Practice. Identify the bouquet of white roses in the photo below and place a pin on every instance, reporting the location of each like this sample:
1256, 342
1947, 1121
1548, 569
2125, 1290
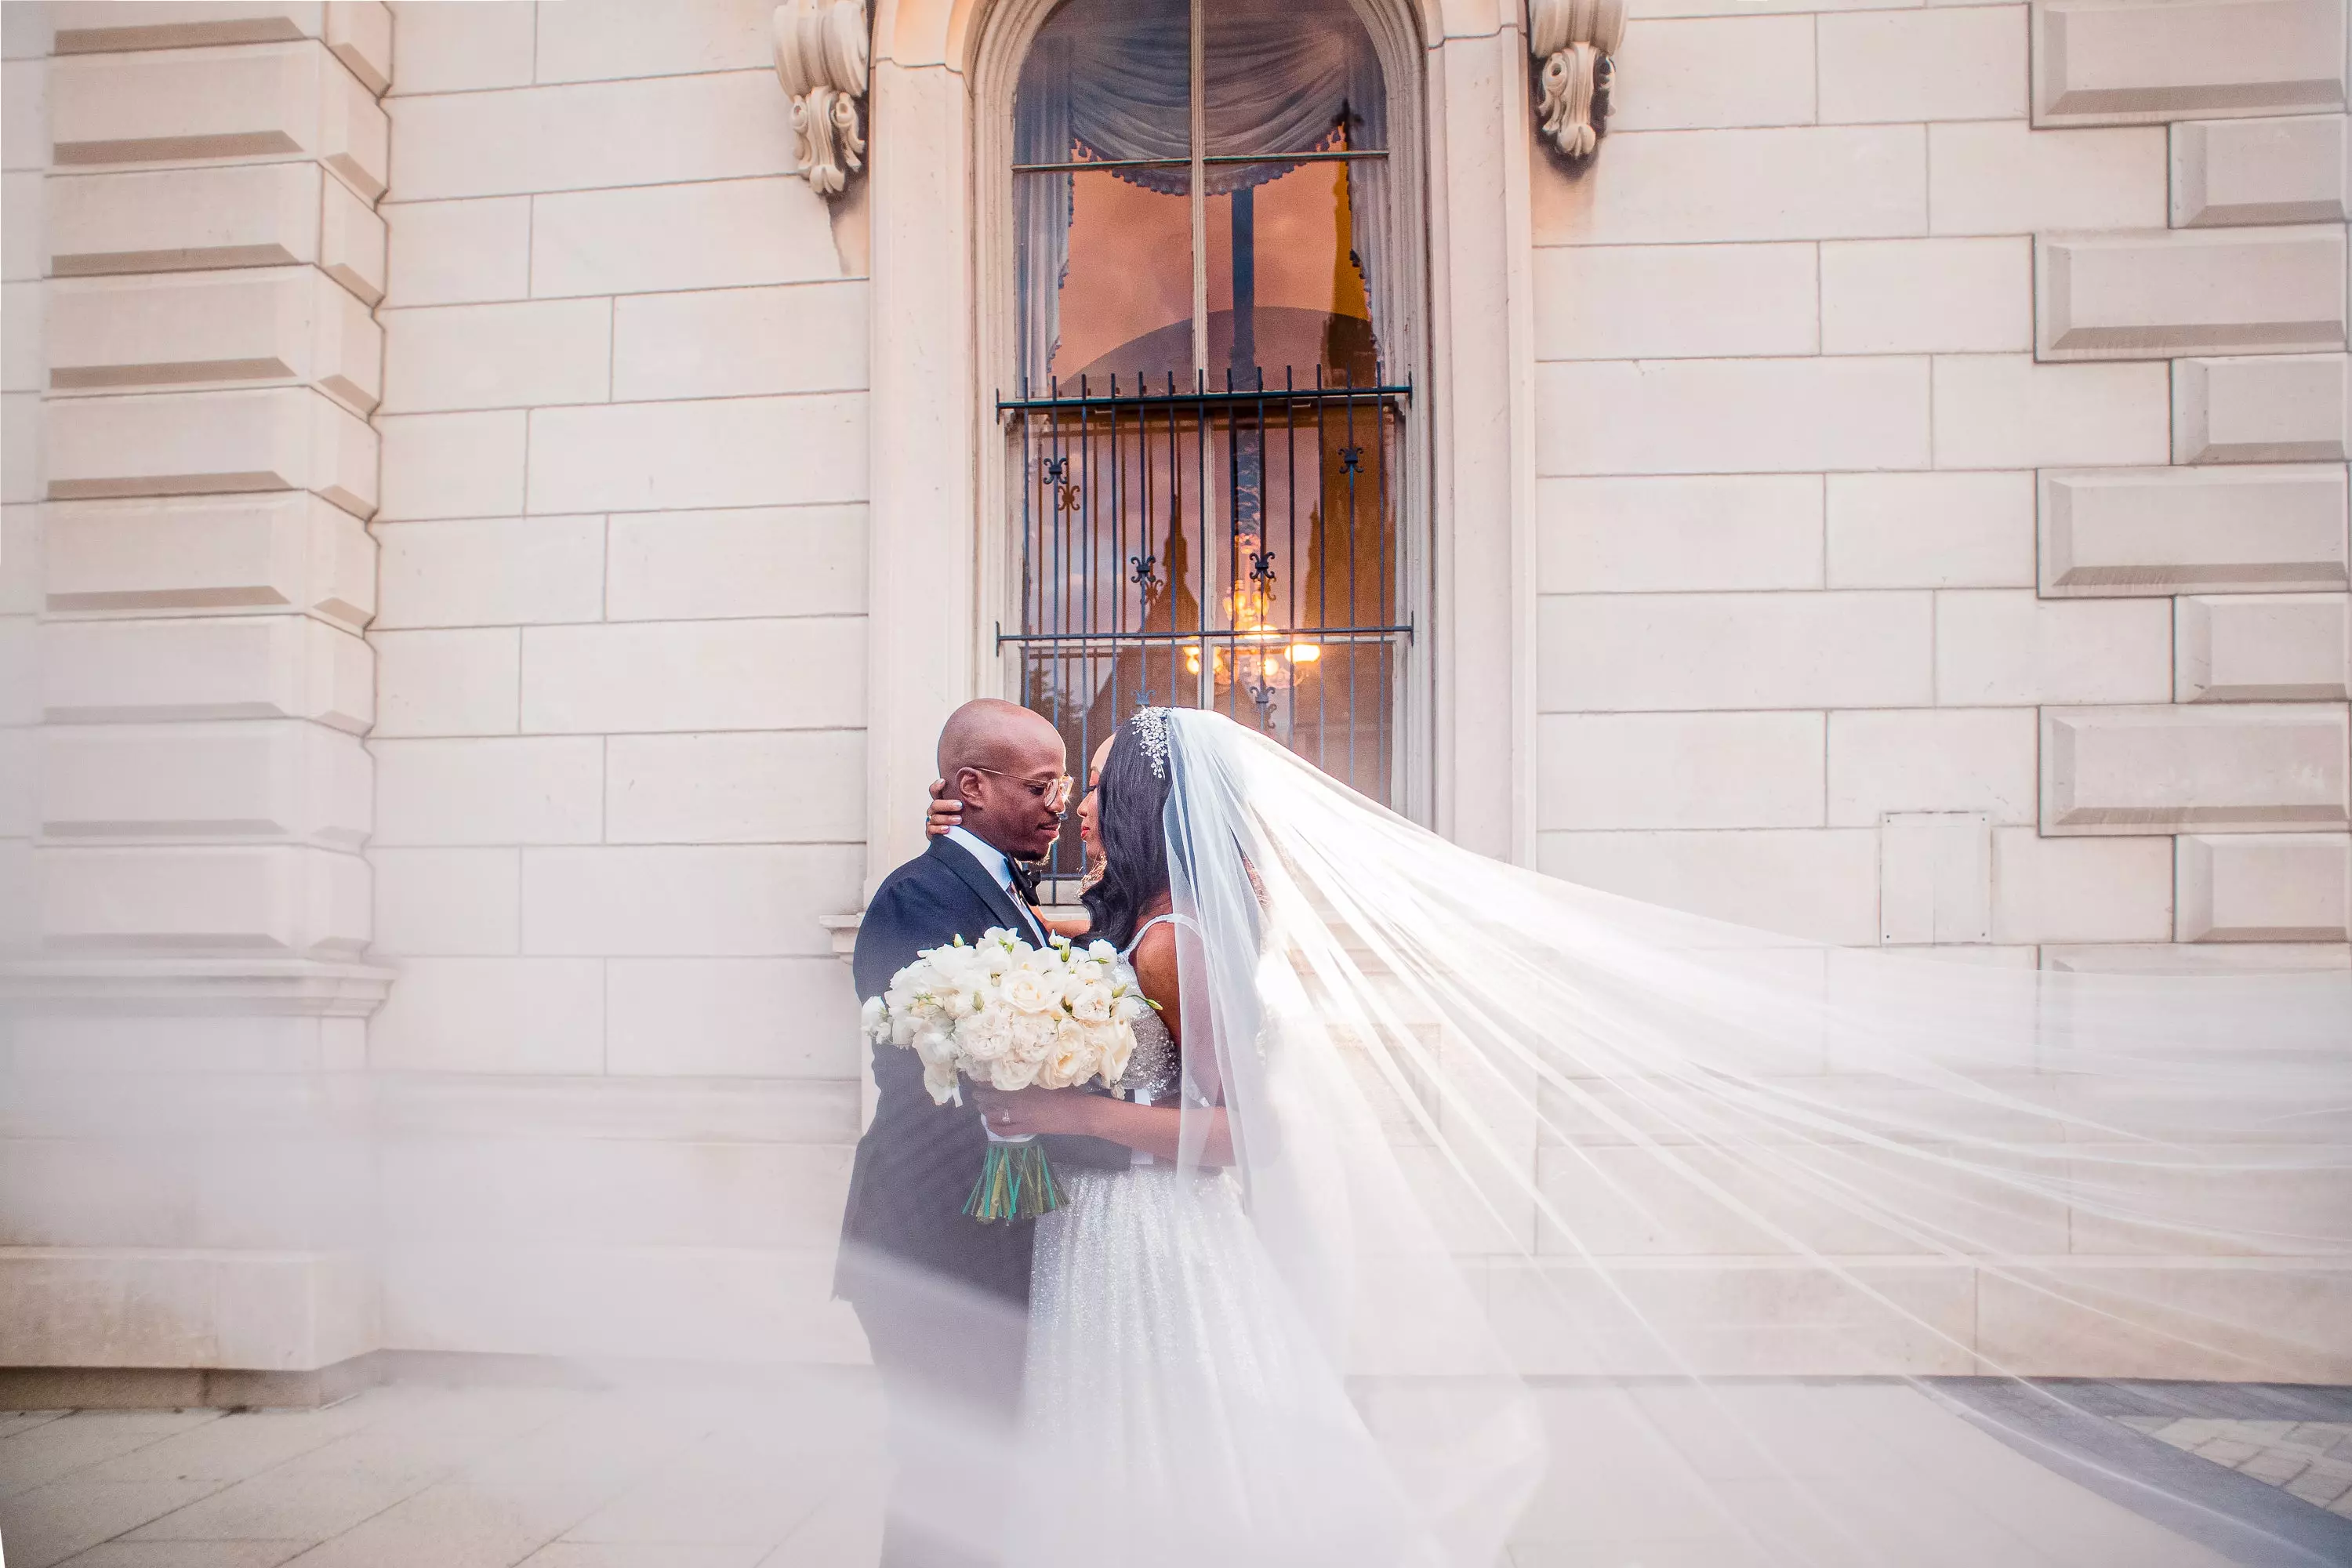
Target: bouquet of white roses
1008, 1014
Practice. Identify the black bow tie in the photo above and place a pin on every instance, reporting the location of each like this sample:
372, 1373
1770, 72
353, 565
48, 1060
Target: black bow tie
1025, 877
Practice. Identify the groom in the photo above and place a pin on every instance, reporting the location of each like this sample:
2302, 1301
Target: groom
943, 1297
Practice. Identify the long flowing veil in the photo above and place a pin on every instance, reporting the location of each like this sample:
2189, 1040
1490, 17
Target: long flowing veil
1518, 1146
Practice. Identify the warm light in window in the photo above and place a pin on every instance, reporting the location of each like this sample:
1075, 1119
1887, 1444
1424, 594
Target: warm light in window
1305, 653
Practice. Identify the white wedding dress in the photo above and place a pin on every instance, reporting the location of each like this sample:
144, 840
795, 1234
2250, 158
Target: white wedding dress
1487, 1123
1177, 1406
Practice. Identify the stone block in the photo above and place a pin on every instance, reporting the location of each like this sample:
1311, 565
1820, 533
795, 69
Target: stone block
731, 902
492, 1015
257, 1312
2004, 411
283, 900
1678, 770
2006, 647
735, 343
2080, 889
1668, 187
2116, 62
24, 114
750, 562
674, 676
438, 46
1817, 883
211, 443
200, 219
247, 102
1714, 73
448, 682
187, 331
503, 572
1656, 652
600, 43
1931, 759
452, 465
360, 34
1751, 415
2262, 648
2261, 171
23, 430
269, 781
1935, 877
209, 555
23, 312
1880, 67
2228, 1320
495, 790
2186, 531
2182, 958
2181, 292
802, 786
725, 452
2243, 768
1676, 301
1668, 535
1930, 531
2265, 887
717, 1017
448, 902
720, 127
525, 354
226, 667
1927, 296
21, 548
460, 253
2262, 410
725, 234
1997, 176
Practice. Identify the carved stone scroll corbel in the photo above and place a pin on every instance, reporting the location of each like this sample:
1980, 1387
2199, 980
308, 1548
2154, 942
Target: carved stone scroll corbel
1575, 40
820, 61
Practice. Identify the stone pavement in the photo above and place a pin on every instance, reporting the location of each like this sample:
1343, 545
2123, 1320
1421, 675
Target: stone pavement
2312, 1459
1867, 1474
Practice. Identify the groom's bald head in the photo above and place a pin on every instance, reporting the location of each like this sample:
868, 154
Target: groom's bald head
997, 758
988, 733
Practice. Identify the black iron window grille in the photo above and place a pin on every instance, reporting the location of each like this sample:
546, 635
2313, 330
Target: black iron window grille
1232, 548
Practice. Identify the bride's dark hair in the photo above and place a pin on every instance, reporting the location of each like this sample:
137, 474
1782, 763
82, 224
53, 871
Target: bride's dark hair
1130, 808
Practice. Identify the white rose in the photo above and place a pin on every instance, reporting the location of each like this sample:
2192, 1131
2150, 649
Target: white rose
1012, 1073
1115, 1046
1092, 1003
934, 1045
1102, 951
1133, 1006
1031, 991
986, 1035
1032, 1036
1066, 1068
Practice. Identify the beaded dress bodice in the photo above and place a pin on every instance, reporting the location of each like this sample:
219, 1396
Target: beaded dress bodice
1156, 1069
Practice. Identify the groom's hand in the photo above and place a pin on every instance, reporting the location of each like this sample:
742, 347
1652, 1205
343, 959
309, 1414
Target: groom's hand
945, 811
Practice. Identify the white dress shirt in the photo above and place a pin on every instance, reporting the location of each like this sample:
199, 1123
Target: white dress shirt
997, 864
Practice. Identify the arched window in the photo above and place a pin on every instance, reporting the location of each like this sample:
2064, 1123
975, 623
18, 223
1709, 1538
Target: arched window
1206, 425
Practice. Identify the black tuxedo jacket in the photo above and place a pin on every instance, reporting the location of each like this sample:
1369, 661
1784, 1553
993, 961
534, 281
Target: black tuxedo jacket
916, 1165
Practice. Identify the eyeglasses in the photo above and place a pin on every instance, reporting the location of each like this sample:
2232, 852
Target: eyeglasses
1055, 792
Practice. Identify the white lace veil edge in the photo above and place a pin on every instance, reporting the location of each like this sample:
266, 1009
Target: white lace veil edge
1493, 1126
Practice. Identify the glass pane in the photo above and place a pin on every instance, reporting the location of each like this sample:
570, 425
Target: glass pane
1289, 76
1233, 553
1106, 80
1106, 276
1285, 293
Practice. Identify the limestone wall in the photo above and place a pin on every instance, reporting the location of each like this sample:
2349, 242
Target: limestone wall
1941, 498
620, 643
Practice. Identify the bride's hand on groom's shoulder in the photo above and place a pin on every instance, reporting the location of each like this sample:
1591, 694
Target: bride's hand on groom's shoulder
1019, 1111
944, 812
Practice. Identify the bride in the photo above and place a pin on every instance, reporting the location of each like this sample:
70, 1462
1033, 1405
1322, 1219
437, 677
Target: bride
1411, 1123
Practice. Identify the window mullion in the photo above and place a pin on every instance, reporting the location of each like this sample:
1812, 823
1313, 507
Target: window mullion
1200, 185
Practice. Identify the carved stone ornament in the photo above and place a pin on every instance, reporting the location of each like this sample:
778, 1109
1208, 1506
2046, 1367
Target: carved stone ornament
1574, 40
820, 61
